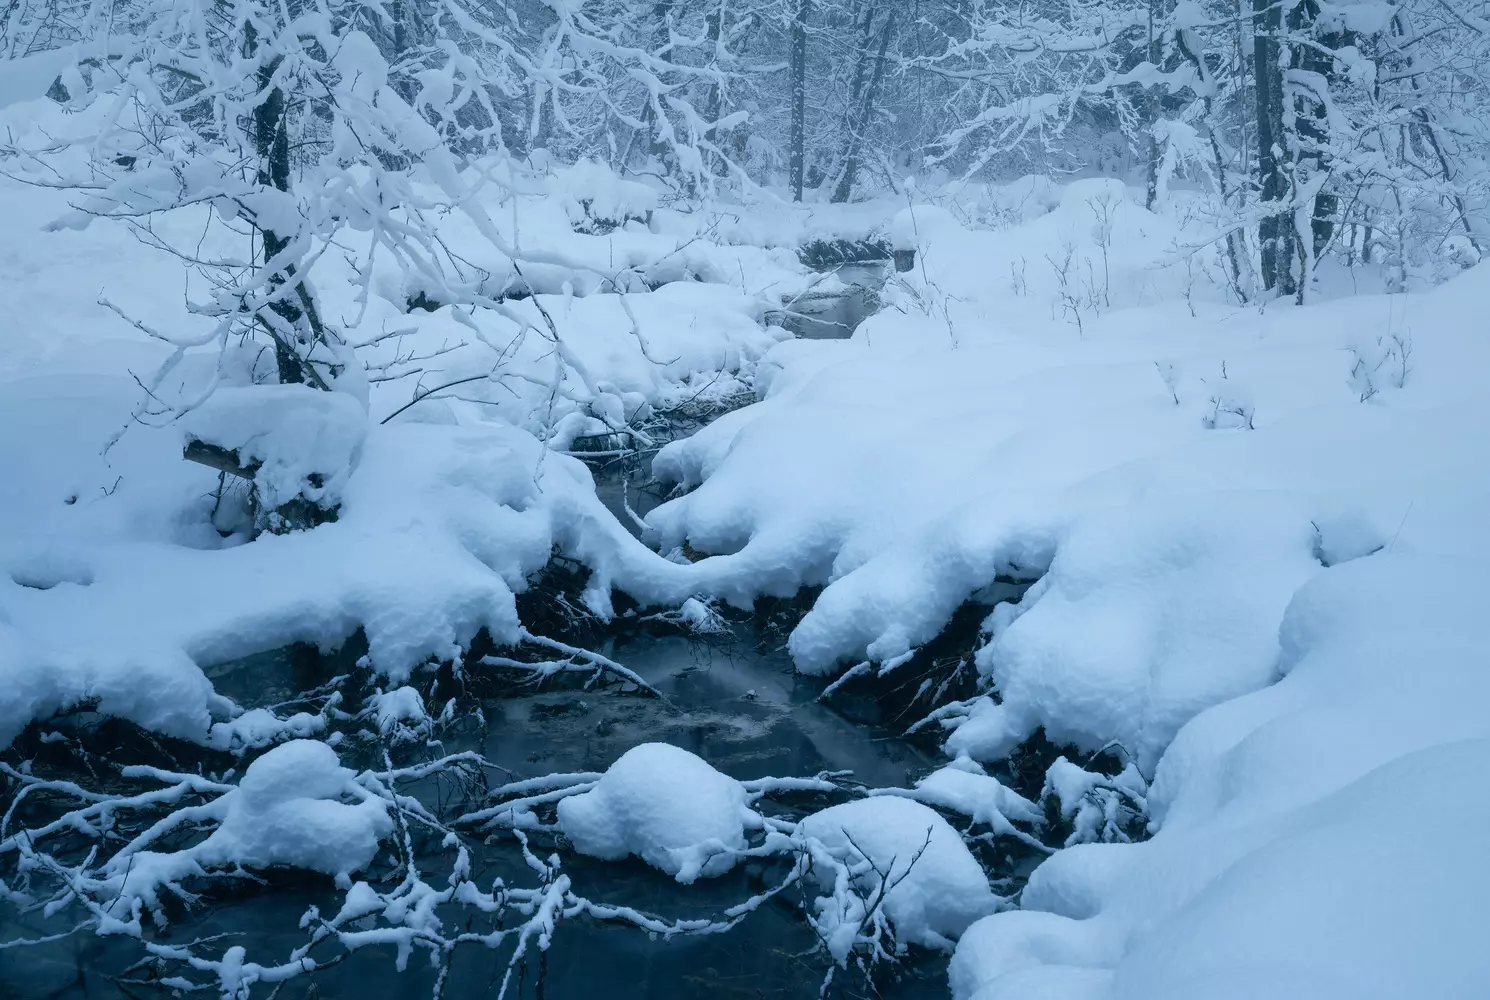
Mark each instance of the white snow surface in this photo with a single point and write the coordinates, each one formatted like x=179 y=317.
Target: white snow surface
x=1256 y=537
x=972 y=433
x=294 y=807
x=290 y=433
x=665 y=806
x=935 y=887
x=1319 y=838
x=964 y=787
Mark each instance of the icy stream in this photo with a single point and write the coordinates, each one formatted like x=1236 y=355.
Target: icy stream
x=733 y=700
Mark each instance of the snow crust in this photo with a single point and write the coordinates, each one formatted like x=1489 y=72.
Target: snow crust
x=665 y=806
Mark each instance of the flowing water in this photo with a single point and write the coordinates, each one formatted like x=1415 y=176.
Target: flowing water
x=733 y=700
x=836 y=311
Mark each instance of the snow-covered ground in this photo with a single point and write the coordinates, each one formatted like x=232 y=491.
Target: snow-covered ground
x=1259 y=546
x=1256 y=536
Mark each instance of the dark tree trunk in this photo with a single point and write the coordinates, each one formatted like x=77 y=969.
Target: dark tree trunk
x=1276 y=230
x=714 y=23
x=797 y=155
x=295 y=326
x=862 y=115
x=662 y=13
x=1313 y=128
x=1155 y=103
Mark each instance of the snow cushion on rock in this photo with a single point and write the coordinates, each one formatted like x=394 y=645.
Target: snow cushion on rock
x=295 y=807
x=667 y=807
x=936 y=887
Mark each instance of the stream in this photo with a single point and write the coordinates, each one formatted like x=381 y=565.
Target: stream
x=733 y=699
x=834 y=310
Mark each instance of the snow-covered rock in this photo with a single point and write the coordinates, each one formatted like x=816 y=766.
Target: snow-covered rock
x=294 y=807
x=936 y=889
x=667 y=807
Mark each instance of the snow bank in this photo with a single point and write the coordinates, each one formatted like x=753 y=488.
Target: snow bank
x=1145 y=616
x=667 y=807
x=123 y=575
x=1280 y=817
x=439 y=527
x=973 y=433
x=932 y=886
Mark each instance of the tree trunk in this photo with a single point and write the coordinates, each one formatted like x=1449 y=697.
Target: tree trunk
x=1276 y=230
x=294 y=326
x=1155 y=104
x=1312 y=124
x=859 y=124
x=662 y=12
x=797 y=155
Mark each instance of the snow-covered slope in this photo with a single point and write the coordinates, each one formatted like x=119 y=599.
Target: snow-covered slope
x=1260 y=547
x=1171 y=480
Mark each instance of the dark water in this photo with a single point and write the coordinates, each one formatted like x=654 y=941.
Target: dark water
x=736 y=702
x=733 y=699
x=834 y=315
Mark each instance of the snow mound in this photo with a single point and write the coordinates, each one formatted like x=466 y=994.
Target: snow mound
x=592 y=192
x=1146 y=616
x=301 y=442
x=294 y=807
x=936 y=887
x=667 y=807
x=288 y=811
x=1281 y=816
x=963 y=787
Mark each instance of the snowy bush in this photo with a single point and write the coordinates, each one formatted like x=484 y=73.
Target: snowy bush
x=896 y=873
x=1099 y=808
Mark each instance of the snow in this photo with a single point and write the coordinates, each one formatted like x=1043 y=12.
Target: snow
x=665 y=806
x=1254 y=539
x=391 y=708
x=130 y=577
x=940 y=451
x=964 y=787
x=1257 y=545
x=302 y=442
x=931 y=886
x=295 y=806
x=1282 y=817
